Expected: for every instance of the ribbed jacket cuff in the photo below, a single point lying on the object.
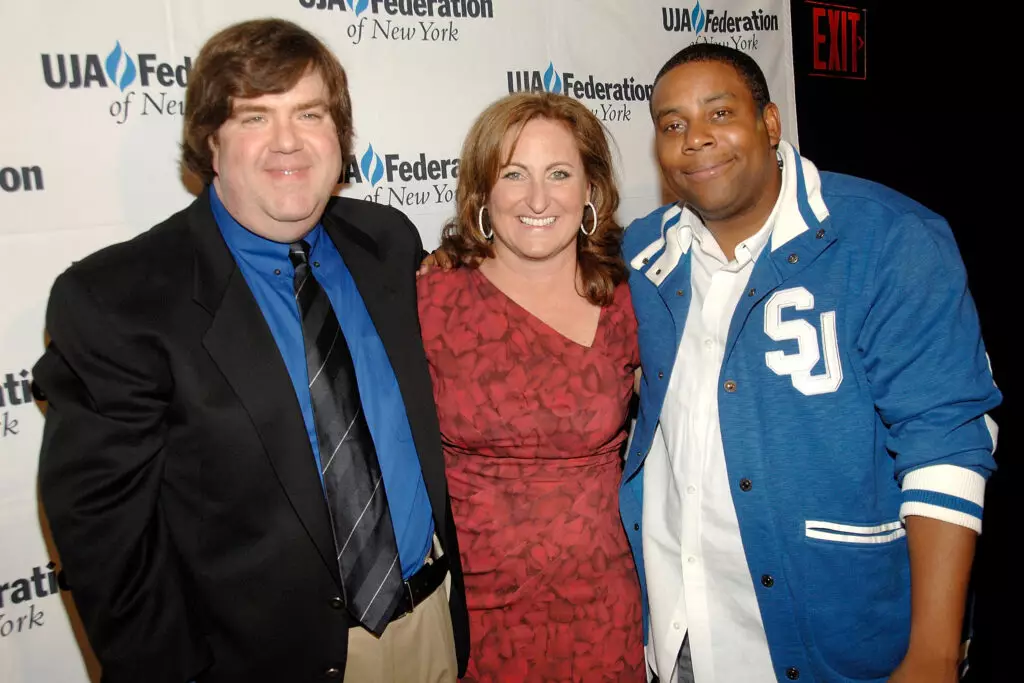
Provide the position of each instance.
(946, 492)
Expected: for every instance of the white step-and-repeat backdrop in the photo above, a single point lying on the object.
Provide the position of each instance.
(92, 100)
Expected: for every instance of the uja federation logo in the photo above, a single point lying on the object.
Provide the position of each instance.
(398, 181)
(611, 97)
(119, 70)
(426, 21)
(18, 597)
(737, 30)
(23, 179)
(15, 393)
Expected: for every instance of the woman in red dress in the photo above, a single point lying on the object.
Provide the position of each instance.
(531, 341)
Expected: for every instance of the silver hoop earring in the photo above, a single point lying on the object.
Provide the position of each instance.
(480, 225)
(593, 223)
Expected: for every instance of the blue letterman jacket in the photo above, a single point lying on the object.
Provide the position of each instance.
(853, 392)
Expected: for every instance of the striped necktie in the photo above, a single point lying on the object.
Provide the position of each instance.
(371, 572)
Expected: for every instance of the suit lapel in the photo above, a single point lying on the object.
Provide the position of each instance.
(241, 345)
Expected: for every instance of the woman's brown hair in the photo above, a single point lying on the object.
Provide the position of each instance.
(247, 60)
(598, 255)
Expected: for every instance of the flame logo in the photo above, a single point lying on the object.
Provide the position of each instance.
(357, 6)
(552, 81)
(697, 18)
(371, 166)
(114, 62)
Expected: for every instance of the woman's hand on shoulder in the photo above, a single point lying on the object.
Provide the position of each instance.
(435, 259)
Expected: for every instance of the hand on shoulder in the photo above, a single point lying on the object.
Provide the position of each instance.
(435, 259)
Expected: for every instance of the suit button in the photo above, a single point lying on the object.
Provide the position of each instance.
(730, 385)
(793, 258)
(333, 672)
(661, 375)
(792, 673)
(337, 603)
(679, 292)
(636, 527)
(745, 485)
(767, 581)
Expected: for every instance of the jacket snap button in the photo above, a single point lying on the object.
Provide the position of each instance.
(745, 484)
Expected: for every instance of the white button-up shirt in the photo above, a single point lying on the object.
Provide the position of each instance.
(697, 575)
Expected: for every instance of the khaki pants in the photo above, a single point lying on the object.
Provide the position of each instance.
(417, 648)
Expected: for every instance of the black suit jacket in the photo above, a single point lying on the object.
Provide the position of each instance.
(176, 471)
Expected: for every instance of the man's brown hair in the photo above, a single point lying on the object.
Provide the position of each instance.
(247, 60)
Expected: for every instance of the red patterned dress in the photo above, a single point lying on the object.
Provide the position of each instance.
(532, 425)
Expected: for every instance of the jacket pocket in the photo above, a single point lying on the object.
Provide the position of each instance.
(855, 533)
(855, 594)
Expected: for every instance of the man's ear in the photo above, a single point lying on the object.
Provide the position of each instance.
(772, 123)
(215, 153)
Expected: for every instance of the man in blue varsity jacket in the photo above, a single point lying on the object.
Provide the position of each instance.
(805, 479)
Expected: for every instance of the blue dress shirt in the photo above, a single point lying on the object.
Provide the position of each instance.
(270, 275)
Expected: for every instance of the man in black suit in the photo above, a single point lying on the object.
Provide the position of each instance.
(241, 463)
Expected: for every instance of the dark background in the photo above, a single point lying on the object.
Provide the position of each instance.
(929, 121)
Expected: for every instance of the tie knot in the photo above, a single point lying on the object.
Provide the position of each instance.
(298, 252)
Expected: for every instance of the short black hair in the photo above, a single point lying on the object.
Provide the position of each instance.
(744, 64)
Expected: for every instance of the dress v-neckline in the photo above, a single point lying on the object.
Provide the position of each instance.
(540, 323)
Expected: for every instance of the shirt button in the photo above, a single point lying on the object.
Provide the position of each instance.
(767, 581)
(793, 258)
(676, 625)
(691, 489)
(730, 385)
(708, 343)
(691, 559)
(337, 603)
(746, 485)
(792, 673)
